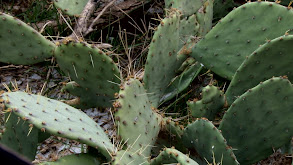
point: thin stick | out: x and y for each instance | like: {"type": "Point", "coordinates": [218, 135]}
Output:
{"type": "Point", "coordinates": [90, 29]}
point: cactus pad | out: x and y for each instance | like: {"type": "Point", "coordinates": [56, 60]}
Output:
{"type": "Point", "coordinates": [137, 123]}
{"type": "Point", "coordinates": [170, 155]}
{"type": "Point", "coordinates": [162, 61]}
{"type": "Point", "coordinates": [85, 159]}
{"type": "Point", "coordinates": [19, 136]}
{"type": "Point", "coordinates": [186, 7]}
{"type": "Point", "coordinates": [225, 47]}
{"type": "Point", "coordinates": [129, 158]}
{"type": "Point", "coordinates": [20, 44]}
{"type": "Point", "coordinates": [211, 103]}
{"type": "Point", "coordinates": [260, 120]}
{"type": "Point", "coordinates": [71, 7]}
{"type": "Point", "coordinates": [92, 69]}
{"type": "Point", "coordinates": [206, 139]}
{"type": "Point", "coordinates": [272, 59]}
{"type": "Point", "coordinates": [59, 119]}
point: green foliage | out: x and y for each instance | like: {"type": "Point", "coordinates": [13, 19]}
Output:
{"type": "Point", "coordinates": [258, 120]}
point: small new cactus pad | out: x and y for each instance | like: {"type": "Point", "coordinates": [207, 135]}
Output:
{"type": "Point", "coordinates": [181, 82]}
{"type": "Point", "coordinates": [225, 47]}
{"type": "Point", "coordinates": [20, 136]}
{"type": "Point", "coordinates": [59, 119]}
{"type": "Point", "coordinates": [204, 17]}
{"type": "Point", "coordinates": [92, 69]}
{"type": "Point", "coordinates": [171, 155]}
{"type": "Point", "coordinates": [136, 121]}
{"type": "Point", "coordinates": [20, 44]}
{"type": "Point", "coordinates": [211, 103]}
{"type": "Point", "coordinates": [272, 59]}
{"type": "Point", "coordinates": [260, 120]}
{"type": "Point", "coordinates": [78, 159]}
{"type": "Point", "coordinates": [85, 99]}
{"type": "Point", "coordinates": [162, 61]}
{"type": "Point", "coordinates": [209, 143]}
{"type": "Point", "coordinates": [123, 157]}
{"type": "Point", "coordinates": [71, 7]}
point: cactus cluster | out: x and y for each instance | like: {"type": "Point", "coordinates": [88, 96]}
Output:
{"type": "Point", "coordinates": [250, 48]}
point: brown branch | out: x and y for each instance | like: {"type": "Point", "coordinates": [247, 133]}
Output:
{"type": "Point", "coordinates": [82, 23]}
{"type": "Point", "coordinates": [90, 29]}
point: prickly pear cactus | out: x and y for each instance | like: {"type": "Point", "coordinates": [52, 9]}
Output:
{"type": "Point", "coordinates": [225, 47]}
{"type": "Point", "coordinates": [93, 70]}
{"type": "Point", "coordinates": [272, 59]}
{"type": "Point", "coordinates": [209, 143]}
{"type": "Point", "coordinates": [136, 121]}
{"type": "Point", "coordinates": [186, 7]}
{"type": "Point", "coordinates": [262, 115]}
{"type": "Point", "coordinates": [205, 17]}
{"type": "Point", "coordinates": [188, 27]}
{"type": "Point", "coordinates": [59, 119]}
{"type": "Point", "coordinates": [85, 159]}
{"type": "Point", "coordinates": [123, 157]}
{"type": "Point", "coordinates": [71, 7]}
{"type": "Point", "coordinates": [20, 44]}
{"type": "Point", "coordinates": [171, 155]}
{"type": "Point", "coordinates": [84, 99]}
{"type": "Point", "coordinates": [162, 61]}
{"type": "Point", "coordinates": [19, 135]}
{"type": "Point", "coordinates": [212, 102]}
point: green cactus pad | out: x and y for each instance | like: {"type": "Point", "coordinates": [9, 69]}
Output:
{"type": "Point", "coordinates": [212, 102]}
{"type": "Point", "coordinates": [260, 120]}
{"type": "Point", "coordinates": [206, 139]}
{"type": "Point", "coordinates": [71, 7]}
{"type": "Point", "coordinates": [272, 59]}
{"type": "Point", "coordinates": [20, 44]}
{"type": "Point", "coordinates": [170, 155]}
{"type": "Point", "coordinates": [85, 100]}
{"type": "Point", "coordinates": [186, 7]}
{"type": "Point", "coordinates": [188, 27]}
{"type": "Point", "coordinates": [78, 159]}
{"type": "Point", "coordinates": [137, 123]}
{"type": "Point", "coordinates": [129, 158]}
{"type": "Point", "coordinates": [93, 70]}
{"type": "Point", "coordinates": [204, 17]}
{"type": "Point", "coordinates": [59, 119]}
{"type": "Point", "coordinates": [162, 61]}
{"type": "Point", "coordinates": [225, 47]}
{"type": "Point", "coordinates": [19, 137]}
